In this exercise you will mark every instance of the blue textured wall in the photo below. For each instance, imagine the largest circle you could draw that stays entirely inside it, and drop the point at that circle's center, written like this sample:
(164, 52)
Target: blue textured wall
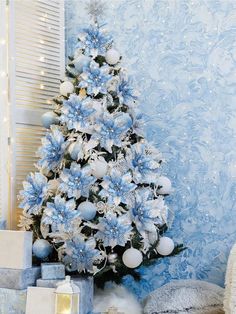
(182, 55)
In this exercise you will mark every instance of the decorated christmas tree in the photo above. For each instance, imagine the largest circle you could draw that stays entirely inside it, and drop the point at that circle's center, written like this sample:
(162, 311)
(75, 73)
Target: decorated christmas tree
(96, 202)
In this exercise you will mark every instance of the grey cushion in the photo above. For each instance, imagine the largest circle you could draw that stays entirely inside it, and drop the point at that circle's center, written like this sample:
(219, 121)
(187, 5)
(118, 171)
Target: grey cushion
(186, 296)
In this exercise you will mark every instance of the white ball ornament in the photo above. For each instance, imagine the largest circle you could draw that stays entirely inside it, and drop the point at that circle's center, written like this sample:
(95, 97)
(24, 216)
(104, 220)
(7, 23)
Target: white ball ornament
(49, 118)
(165, 246)
(75, 151)
(165, 184)
(99, 167)
(81, 62)
(66, 88)
(42, 248)
(132, 258)
(112, 56)
(87, 210)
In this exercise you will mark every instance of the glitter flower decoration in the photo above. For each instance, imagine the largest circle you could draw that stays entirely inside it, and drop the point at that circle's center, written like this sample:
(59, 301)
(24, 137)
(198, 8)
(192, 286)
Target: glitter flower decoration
(34, 193)
(138, 122)
(95, 79)
(76, 112)
(94, 41)
(76, 181)
(82, 253)
(52, 149)
(145, 211)
(125, 92)
(117, 187)
(111, 129)
(114, 230)
(60, 214)
(144, 162)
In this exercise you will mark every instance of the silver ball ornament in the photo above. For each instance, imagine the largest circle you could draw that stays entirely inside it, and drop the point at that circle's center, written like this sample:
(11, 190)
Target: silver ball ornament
(49, 118)
(87, 210)
(165, 246)
(165, 184)
(112, 56)
(81, 62)
(99, 167)
(66, 88)
(42, 248)
(132, 258)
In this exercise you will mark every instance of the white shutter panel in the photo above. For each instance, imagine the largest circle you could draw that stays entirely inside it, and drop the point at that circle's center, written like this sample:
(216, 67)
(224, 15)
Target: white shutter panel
(36, 69)
(4, 122)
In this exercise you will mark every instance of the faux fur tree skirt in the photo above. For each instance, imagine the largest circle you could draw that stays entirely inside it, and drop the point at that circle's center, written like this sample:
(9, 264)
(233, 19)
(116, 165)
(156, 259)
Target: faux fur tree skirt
(186, 296)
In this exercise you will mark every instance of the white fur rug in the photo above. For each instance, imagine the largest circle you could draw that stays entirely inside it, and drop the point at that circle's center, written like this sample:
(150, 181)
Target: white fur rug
(117, 296)
(186, 296)
(230, 283)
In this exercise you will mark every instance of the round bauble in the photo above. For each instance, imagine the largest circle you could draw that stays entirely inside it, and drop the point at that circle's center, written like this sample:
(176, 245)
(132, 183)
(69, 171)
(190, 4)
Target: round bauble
(165, 185)
(81, 62)
(132, 258)
(112, 56)
(87, 210)
(165, 246)
(99, 167)
(42, 248)
(49, 118)
(75, 150)
(112, 258)
(66, 88)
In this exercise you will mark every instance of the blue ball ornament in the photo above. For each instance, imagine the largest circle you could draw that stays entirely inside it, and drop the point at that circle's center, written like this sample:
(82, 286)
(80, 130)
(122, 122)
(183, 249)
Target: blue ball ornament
(81, 62)
(87, 210)
(42, 248)
(49, 118)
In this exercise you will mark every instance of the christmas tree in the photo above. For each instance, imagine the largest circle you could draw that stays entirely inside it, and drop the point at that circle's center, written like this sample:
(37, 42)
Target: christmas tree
(96, 202)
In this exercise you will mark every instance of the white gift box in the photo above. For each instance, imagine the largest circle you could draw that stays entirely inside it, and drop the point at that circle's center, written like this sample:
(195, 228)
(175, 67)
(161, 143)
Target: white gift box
(15, 249)
(40, 300)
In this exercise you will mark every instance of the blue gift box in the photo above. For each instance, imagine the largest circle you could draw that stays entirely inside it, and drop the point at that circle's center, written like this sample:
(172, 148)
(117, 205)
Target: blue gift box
(51, 271)
(18, 279)
(12, 301)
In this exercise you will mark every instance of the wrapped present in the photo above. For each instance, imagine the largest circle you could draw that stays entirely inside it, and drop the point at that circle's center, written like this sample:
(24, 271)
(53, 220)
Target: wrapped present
(52, 271)
(40, 301)
(16, 249)
(18, 279)
(12, 301)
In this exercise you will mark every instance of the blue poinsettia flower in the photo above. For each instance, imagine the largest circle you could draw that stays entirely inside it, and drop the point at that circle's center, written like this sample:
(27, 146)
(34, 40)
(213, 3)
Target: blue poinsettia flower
(125, 92)
(137, 121)
(94, 41)
(117, 187)
(34, 193)
(76, 181)
(111, 129)
(60, 214)
(76, 112)
(145, 211)
(95, 79)
(113, 230)
(82, 254)
(52, 150)
(144, 162)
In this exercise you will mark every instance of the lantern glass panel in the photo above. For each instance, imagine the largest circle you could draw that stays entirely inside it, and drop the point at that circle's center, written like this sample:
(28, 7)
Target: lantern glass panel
(75, 304)
(64, 304)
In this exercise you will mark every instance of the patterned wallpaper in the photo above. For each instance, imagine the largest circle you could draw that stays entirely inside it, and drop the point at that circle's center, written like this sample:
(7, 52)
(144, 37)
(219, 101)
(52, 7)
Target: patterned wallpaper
(182, 55)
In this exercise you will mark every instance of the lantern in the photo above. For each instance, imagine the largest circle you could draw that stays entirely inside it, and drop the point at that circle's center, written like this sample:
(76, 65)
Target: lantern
(67, 298)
